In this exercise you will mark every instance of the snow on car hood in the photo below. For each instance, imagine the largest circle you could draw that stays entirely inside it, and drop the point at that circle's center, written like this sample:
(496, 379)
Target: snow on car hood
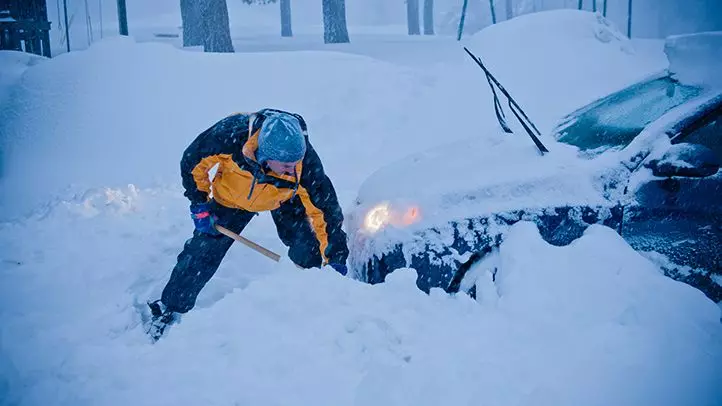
(555, 61)
(482, 176)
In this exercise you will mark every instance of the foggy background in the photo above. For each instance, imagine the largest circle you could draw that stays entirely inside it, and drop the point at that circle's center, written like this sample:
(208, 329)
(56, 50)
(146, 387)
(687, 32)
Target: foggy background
(148, 18)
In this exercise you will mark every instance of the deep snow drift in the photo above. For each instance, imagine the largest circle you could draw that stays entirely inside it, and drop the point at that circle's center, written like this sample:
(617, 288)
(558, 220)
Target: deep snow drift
(562, 60)
(146, 102)
(13, 64)
(156, 99)
(560, 326)
(695, 58)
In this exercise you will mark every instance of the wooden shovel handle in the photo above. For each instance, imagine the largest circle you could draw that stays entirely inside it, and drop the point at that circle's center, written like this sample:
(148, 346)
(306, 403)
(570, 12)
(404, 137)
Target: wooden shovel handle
(248, 243)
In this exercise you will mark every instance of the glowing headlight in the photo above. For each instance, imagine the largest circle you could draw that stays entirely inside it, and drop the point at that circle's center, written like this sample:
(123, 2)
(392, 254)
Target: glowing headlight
(377, 217)
(411, 216)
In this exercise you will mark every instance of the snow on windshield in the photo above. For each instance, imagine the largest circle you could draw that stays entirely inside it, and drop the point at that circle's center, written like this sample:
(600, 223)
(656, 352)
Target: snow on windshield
(614, 121)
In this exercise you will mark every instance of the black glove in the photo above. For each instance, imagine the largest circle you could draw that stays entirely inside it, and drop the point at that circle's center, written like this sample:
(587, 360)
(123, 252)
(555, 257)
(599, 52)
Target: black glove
(203, 219)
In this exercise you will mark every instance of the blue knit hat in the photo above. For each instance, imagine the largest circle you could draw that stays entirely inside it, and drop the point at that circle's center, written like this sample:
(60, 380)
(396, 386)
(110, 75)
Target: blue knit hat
(281, 139)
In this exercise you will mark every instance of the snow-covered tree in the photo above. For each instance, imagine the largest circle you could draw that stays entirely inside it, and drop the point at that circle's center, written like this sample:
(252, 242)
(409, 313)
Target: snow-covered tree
(334, 22)
(205, 22)
(217, 33)
(192, 23)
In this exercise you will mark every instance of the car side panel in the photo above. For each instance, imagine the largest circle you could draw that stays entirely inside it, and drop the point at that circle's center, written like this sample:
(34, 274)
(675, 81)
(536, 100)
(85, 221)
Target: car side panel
(681, 219)
(437, 263)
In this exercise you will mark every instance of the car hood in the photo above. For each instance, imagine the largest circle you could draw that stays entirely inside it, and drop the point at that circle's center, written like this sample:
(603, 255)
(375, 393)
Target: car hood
(482, 176)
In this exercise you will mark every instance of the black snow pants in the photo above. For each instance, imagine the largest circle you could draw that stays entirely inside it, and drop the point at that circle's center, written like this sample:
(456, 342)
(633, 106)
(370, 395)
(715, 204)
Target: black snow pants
(203, 253)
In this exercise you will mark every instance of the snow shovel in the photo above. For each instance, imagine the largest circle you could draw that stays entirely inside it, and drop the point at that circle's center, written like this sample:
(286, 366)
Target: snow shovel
(248, 243)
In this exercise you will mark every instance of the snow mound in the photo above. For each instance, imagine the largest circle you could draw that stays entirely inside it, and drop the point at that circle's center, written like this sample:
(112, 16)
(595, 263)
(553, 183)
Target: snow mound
(122, 112)
(560, 326)
(696, 58)
(13, 64)
(571, 57)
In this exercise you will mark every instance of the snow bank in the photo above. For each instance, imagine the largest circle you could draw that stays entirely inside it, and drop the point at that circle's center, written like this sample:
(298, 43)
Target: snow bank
(146, 102)
(561, 325)
(123, 112)
(13, 64)
(696, 58)
(553, 62)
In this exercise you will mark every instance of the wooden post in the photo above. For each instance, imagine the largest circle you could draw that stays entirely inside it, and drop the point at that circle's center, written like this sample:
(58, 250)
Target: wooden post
(46, 43)
(42, 34)
(32, 42)
(122, 17)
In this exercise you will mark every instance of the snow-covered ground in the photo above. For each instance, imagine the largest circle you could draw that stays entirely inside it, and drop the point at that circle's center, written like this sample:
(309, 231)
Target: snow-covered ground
(92, 141)
(14, 64)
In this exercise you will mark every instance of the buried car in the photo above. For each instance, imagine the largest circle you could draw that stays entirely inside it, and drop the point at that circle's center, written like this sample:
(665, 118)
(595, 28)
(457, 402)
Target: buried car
(644, 161)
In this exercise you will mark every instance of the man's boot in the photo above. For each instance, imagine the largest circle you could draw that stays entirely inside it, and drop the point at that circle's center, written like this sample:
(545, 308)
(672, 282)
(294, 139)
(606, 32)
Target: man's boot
(161, 318)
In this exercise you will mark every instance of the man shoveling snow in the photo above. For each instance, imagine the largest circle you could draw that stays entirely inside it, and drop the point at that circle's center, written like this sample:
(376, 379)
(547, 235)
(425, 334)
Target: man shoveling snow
(265, 163)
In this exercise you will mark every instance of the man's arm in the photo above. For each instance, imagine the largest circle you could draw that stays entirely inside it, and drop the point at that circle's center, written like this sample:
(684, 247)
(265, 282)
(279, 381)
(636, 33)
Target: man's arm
(221, 139)
(321, 203)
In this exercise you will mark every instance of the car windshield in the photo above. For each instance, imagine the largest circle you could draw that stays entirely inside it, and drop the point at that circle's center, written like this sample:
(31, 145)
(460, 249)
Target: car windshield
(615, 120)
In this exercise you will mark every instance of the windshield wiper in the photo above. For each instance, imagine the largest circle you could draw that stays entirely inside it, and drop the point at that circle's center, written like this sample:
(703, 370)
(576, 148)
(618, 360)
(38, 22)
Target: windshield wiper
(530, 128)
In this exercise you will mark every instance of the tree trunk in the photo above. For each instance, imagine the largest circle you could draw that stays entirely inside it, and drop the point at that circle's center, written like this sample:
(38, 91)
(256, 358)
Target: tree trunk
(461, 19)
(428, 17)
(122, 17)
(412, 17)
(509, 10)
(334, 22)
(192, 23)
(286, 30)
(493, 11)
(629, 19)
(216, 27)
